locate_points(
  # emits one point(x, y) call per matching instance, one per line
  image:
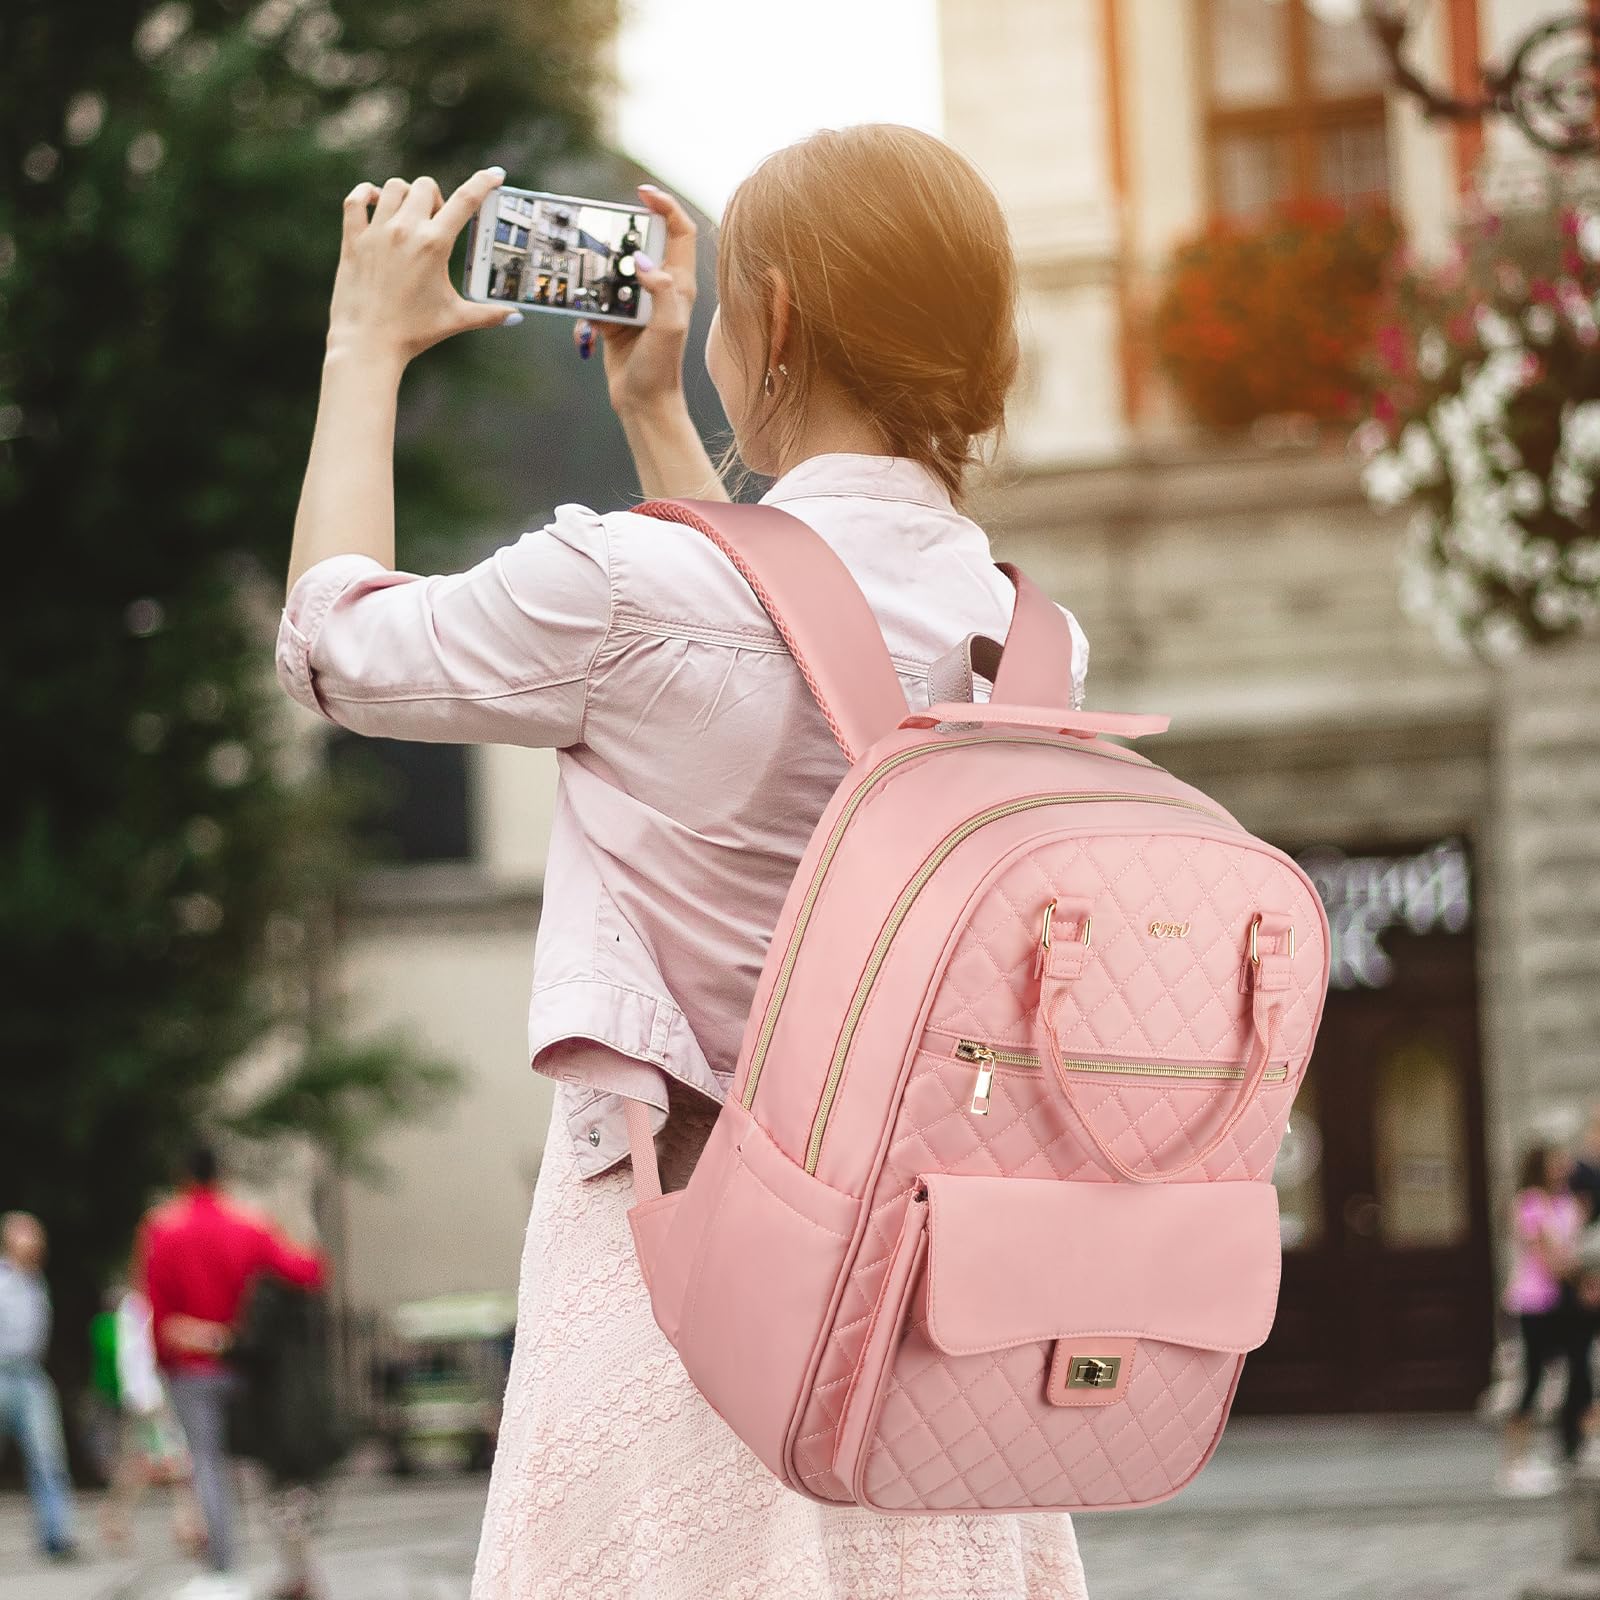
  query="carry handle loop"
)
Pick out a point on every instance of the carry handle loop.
point(1079, 724)
point(1268, 979)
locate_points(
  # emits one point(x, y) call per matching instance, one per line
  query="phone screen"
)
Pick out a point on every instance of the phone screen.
point(559, 253)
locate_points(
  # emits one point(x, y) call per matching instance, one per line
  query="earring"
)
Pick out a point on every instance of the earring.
point(766, 382)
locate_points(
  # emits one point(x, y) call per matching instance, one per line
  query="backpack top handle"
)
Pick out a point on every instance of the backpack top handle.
point(824, 619)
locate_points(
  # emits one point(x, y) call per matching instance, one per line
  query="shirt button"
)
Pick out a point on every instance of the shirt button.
point(594, 1136)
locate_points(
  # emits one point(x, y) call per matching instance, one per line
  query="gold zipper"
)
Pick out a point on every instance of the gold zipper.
point(987, 1055)
point(780, 988)
point(908, 896)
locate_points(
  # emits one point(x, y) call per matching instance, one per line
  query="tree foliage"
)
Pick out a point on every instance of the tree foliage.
point(168, 232)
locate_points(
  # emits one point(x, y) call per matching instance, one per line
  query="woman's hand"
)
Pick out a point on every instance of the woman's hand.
point(644, 366)
point(392, 294)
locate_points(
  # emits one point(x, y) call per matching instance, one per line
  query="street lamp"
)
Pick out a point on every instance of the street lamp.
point(1548, 86)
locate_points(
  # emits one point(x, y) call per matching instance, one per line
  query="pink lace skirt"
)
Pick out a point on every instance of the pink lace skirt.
point(614, 1480)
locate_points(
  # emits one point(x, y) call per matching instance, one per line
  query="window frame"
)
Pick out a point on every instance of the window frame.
point(1300, 118)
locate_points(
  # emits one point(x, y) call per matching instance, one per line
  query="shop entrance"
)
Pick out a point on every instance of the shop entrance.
point(1386, 1301)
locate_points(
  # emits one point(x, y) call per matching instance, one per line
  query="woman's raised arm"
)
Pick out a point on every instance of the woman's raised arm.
point(392, 299)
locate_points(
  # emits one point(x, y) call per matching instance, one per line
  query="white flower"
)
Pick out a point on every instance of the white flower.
point(1384, 479)
point(1500, 637)
point(1589, 236)
point(1422, 529)
point(1540, 558)
point(1495, 330)
point(1369, 438)
point(1570, 490)
point(1485, 403)
point(1578, 310)
point(1552, 607)
point(1526, 493)
point(1583, 560)
point(1432, 352)
point(1580, 431)
point(1460, 593)
point(1420, 453)
point(1502, 452)
point(1451, 421)
point(1540, 321)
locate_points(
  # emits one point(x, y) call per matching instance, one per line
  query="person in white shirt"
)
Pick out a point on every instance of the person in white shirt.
point(30, 1412)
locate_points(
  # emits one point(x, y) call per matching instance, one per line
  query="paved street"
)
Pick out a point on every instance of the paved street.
point(1376, 1509)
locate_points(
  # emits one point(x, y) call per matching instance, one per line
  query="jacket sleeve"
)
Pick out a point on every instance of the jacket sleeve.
point(283, 1259)
point(498, 654)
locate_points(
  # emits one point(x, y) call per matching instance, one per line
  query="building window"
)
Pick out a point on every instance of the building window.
point(1294, 106)
point(415, 801)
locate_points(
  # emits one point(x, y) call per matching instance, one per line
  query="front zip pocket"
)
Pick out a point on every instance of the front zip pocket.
point(769, 1021)
point(987, 1057)
point(897, 915)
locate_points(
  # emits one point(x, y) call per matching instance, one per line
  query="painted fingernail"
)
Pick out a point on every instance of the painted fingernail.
point(651, 187)
point(499, 172)
point(512, 320)
point(645, 263)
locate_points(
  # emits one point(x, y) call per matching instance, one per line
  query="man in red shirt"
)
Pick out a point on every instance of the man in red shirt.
point(199, 1254)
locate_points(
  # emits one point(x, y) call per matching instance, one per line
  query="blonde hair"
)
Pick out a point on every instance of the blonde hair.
point(902, 284)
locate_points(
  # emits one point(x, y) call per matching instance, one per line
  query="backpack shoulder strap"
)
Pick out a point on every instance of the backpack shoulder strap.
point(816, 606)
point(823, 617)
point(1036, 662)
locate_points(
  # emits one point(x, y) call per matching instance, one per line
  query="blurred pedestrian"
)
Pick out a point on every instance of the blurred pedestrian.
point(198, 1256)
point(143, 1443)
point(289, 1419)
point(30, 1412)
point(1541, 1291)
point(1584, 1181)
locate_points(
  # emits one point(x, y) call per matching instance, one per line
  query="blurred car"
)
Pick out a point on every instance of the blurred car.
point(442, 1388)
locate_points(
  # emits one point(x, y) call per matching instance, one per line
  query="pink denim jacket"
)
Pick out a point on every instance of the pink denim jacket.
point(693, 764)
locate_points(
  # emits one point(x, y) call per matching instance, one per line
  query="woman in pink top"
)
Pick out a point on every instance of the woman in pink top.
point(863, 347)
point(1540, 1291)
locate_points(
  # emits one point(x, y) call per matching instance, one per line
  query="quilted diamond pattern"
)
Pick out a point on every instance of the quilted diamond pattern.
point(1150, 999)
point(959, 1431)
point(1028, 1133)
point(974, 1430)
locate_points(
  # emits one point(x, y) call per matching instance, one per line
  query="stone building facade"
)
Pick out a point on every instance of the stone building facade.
point(1450, 812)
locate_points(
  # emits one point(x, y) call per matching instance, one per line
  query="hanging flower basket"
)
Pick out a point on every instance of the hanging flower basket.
point(1273, 317)
point(1486, 421)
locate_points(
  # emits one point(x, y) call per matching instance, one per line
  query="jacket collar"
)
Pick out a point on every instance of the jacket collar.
point(846, 472)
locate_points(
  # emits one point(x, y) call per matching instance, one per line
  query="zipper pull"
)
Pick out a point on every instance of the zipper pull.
point(985, 1059)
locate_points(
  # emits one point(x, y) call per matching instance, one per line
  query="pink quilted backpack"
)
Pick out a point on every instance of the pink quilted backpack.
point(987, 1221)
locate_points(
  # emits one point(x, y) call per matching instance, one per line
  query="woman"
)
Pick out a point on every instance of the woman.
point(1540, 1292)
point(863, 347)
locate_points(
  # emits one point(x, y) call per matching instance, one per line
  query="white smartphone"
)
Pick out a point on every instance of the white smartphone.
point(562, 253)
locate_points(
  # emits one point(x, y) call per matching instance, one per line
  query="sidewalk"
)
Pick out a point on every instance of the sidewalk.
point(1369, 1508)
point(1392, 1508)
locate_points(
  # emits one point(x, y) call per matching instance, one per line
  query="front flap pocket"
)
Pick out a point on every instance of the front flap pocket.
point(1015, 1261)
